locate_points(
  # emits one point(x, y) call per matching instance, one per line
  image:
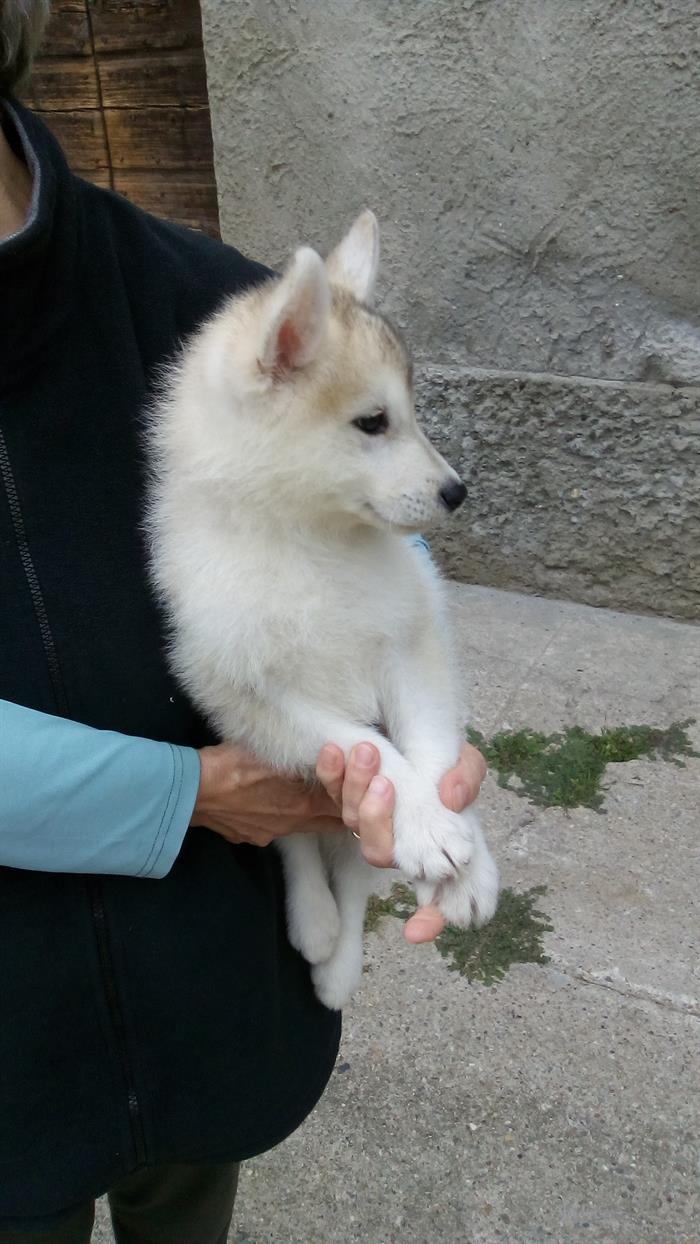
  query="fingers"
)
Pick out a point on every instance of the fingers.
point(458, 788)
point(375, 823)
point(345, 786)
point(461, 785)
point(330, 771)
point(363, 764)
point(366, 800)
point(425, 925)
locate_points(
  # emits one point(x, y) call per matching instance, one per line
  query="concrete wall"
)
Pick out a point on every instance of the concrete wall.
point(535, 167)
point(575, 489)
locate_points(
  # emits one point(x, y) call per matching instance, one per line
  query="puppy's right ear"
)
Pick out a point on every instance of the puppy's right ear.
point(296, 316)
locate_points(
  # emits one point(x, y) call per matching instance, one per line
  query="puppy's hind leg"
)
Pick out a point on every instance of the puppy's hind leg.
point(337, 978)
point(313, 923)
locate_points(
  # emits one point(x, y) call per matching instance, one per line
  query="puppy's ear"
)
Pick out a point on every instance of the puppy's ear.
point(296, 317)
point(354, 262)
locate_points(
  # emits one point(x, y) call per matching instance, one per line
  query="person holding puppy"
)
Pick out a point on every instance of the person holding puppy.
point(157, 1027)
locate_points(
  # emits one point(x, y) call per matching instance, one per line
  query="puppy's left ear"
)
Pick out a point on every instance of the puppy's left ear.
point(354, 262)
point(296, 319)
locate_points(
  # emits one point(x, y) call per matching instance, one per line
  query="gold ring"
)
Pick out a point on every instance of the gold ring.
point(355, 834)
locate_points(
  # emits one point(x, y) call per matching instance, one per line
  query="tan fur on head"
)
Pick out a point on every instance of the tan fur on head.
point(322, 312)
point(301, 400)
point(297, 316)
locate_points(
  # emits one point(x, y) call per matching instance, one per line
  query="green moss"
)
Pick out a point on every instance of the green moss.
point(513, 936)
point(553, 770)
point(566, 770)
point(631, 742)
point(401, 902)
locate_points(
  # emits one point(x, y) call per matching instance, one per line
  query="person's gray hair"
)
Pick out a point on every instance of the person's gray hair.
point(22, 24)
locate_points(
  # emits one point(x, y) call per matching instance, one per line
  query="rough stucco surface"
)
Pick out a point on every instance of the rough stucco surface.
point(584, 490)
point(534, 165)
point(536, 171)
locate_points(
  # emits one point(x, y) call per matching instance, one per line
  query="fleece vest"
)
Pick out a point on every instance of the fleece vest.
point(141, 1021)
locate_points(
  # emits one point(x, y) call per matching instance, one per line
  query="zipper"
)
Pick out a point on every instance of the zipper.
point(93, 886)
point(115, 1011)
point(32, 578)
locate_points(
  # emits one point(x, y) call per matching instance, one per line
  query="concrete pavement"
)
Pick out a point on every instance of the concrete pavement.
point(561, 1103)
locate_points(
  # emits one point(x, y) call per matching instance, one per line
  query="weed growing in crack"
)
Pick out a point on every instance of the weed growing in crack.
point(514, 935)
point(566, 770)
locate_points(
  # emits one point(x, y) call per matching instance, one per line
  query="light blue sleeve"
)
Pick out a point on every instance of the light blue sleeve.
point(78, 800)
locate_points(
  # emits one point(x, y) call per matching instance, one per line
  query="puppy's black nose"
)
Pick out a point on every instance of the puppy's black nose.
point(453, 494)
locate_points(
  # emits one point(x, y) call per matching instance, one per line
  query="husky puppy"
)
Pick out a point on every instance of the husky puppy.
point(288, 471)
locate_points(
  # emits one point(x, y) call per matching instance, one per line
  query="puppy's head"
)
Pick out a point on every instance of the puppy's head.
point(316, 391)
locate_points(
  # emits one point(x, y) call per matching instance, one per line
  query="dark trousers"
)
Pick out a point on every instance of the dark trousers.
point(165, 1205)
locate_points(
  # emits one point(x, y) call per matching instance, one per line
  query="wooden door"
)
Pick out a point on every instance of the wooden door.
point(122, 84)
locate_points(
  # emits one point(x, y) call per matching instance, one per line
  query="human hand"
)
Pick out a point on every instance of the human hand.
point(247, 802)
point(366, 800)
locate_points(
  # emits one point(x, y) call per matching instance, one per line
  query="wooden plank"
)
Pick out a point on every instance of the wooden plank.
point(182, 196)
point(60, 84)
point(143, 8)
point(154, 101)
point(68, 6)
point(141, 25)
point(159, 138)
point(154, 78)
point(98, 177)
point(81, 134)
point(68, 32)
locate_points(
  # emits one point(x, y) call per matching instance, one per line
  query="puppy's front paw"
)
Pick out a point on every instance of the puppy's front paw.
point(471, 896)
point(431, 843)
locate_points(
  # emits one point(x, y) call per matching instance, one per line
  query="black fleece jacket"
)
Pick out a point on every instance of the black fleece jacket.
point(141, 1021)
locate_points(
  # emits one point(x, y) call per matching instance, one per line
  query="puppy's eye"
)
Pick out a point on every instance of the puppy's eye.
point(373, 425)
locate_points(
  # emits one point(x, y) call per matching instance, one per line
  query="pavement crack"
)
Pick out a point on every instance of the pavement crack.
point(534, 663)
point(613, 980)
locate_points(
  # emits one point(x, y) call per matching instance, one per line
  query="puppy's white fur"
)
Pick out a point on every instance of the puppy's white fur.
point(300, 613)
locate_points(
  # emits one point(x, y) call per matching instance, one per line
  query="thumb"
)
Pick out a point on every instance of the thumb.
point(425, 925)
point(461, 785)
